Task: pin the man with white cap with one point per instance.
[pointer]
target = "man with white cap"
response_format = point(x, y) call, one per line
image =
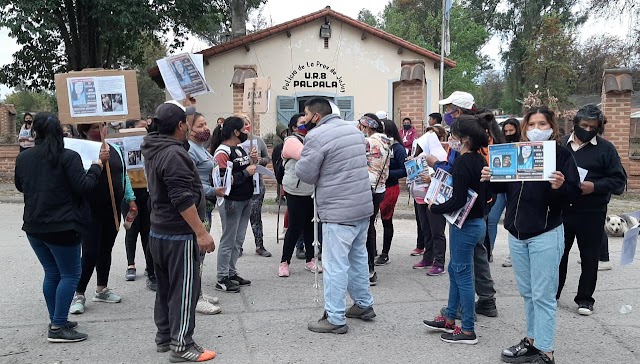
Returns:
point(458, 103)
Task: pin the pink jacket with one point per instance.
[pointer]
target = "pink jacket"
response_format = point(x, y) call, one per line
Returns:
point(408, 136)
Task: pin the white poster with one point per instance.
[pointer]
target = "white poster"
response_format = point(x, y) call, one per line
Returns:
point(97, 96)
point(130, 149)
point(522, 161)
point(89, 150)
point(184, 74)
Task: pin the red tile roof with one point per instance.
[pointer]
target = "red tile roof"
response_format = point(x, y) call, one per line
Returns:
point(254, 37)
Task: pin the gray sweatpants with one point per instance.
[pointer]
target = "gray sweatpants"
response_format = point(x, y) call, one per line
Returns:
point(482, 275)
point(176, 261)
point(234, 216)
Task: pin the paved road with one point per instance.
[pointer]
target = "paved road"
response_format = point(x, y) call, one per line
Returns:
point(266, 323)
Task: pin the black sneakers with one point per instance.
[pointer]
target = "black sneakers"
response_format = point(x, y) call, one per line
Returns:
point(227, 285)
point(300, 253)
point(585, 309)
point(261, 251)
point(382, 260)
point(152, 282)
point(459, 337)
point(522, 352)
point(240, 281)
point(439, 323)
point(542, 358)
point(65, 335)
point(487, 308)
point(373, 279)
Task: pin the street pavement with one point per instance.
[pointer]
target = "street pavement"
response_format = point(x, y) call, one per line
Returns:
point(267, 322)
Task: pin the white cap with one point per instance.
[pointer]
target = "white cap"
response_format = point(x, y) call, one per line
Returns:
point(460, 99)
point(381, 114)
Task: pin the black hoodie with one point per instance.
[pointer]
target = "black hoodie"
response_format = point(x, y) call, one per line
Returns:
point(533, 208)
point(173, 181)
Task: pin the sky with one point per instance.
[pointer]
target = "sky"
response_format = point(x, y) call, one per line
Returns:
point(279, 11)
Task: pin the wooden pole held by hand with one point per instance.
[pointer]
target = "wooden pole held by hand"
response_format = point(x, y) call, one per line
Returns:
point(111, 193)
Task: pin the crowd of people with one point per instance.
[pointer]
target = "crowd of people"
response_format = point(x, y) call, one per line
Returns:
point(329, 171)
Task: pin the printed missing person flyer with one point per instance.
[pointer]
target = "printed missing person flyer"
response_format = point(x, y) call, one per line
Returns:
point(440, 191)
point(522, 161)
point(415, 167)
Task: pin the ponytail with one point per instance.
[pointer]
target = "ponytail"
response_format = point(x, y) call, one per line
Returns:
point(225, 131)
point(49, 135)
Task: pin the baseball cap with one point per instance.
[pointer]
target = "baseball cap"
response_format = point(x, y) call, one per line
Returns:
point(172, 112)
point(381, 114)
point(460, 99)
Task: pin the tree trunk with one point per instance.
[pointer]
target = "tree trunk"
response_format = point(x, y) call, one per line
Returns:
point(238, 18)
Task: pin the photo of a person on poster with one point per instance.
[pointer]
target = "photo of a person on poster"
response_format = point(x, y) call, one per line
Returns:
point(78, 93)
point(496, 162)
point(525, 157)
point(106, 103)
point(181, 73)
point(116, 102)
point(506, 161)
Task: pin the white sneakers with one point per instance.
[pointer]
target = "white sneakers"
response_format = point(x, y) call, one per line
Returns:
point(77, 305)
point(206, 308)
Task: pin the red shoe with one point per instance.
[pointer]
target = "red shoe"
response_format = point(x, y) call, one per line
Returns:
point(423, 264)
point(417, 251)
point(194, 354)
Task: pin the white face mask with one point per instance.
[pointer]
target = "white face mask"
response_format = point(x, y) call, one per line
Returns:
point(537, 135)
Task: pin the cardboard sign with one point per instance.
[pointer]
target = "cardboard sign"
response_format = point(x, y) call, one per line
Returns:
point(258, 96)
point(96, 96)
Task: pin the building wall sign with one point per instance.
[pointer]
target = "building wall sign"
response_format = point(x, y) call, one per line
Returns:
point(314, 75)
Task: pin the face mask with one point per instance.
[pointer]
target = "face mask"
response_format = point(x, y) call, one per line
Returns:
point(406, 127)
point(248, 129)
point(537, 135)
point(310, 125)
point(94, 134)
point(448, 118)
point(243, 137)
point(456, 145)
point(302, 130)
point(203, 136)
point(512, 138)
point(584, 135)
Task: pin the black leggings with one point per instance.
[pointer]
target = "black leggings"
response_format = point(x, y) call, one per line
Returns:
point(300, 222)
point(141, 225)
point(97, 244)
point(371, 236)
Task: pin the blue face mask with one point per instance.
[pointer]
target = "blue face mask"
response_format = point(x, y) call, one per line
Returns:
point(448, 117)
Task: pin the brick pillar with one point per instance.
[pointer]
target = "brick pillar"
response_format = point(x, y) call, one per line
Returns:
point(412, 100)
point(242, 72)
point(7, 123)
point(616, 105)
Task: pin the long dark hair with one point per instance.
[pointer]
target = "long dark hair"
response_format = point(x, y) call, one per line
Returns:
point(49, 136)
point(513, 122)
point(391, 130)
point(225, 131)
point(474, 127)
point(551, 119)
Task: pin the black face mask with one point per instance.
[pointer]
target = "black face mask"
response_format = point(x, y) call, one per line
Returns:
point(243, 137)
point(512, 138)
point(584, 135)
point(406, 127)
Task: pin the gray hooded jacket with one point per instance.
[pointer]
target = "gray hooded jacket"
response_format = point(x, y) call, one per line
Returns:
point(334, 159)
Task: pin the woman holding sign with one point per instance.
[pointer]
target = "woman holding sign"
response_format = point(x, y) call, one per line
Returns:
point(55, 212)
point(98, 240)
point(468, 136)
point(536, 238)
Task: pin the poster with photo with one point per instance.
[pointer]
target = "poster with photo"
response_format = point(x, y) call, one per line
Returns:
point(130, 148)
point(440, 191)
point(183, 74)
point(522, 161)
point(97, 96)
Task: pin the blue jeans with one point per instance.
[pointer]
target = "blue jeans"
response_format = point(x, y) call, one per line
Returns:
point(494, 217)
point(462, 243)
point(536, 263)
point(62, 269)
point(346, 268)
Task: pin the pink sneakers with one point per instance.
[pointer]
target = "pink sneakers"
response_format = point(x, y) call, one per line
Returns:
point(423, 264)
point(415, 252)
point(283, 269)
point(435, 271)
point(311, 266)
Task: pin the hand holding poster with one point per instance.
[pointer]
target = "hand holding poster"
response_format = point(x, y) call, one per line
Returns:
point(89, 151)
point(183, 75)
point(415, 167)
point(440, 191)
point(522, 161)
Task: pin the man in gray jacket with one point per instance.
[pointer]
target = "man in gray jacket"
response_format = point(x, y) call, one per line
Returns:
point(334, 160)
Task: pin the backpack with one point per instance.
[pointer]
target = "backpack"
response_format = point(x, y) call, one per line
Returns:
point(279, 166)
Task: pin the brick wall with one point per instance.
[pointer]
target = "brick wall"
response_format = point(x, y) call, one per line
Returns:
point(8, 154)
point(7, 123)
point(412, 103)
point(238, 93)
point(617, 108)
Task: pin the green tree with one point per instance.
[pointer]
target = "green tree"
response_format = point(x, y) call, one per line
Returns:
point(420, 22)
point(149, 93)
point(29, 101)
point(367, 17)
point(547, 61)
point(491, 90)
point(217, 28)
point(60, 36)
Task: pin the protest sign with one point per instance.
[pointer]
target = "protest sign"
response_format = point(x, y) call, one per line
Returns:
point(89, 151)
point(129, 144)
point(256, 94)
point(94, 96)
point(415, 167)
point(183, 75)
point(440, 191)
point(522, 161)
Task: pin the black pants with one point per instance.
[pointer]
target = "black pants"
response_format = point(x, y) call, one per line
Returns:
point(140, 226)
point(587, 227)
point(300, 222)
point(435, 242)
point(97, 244)
point(371, 235)
point(604, 248)
point(420, 238)
point(177, 260)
